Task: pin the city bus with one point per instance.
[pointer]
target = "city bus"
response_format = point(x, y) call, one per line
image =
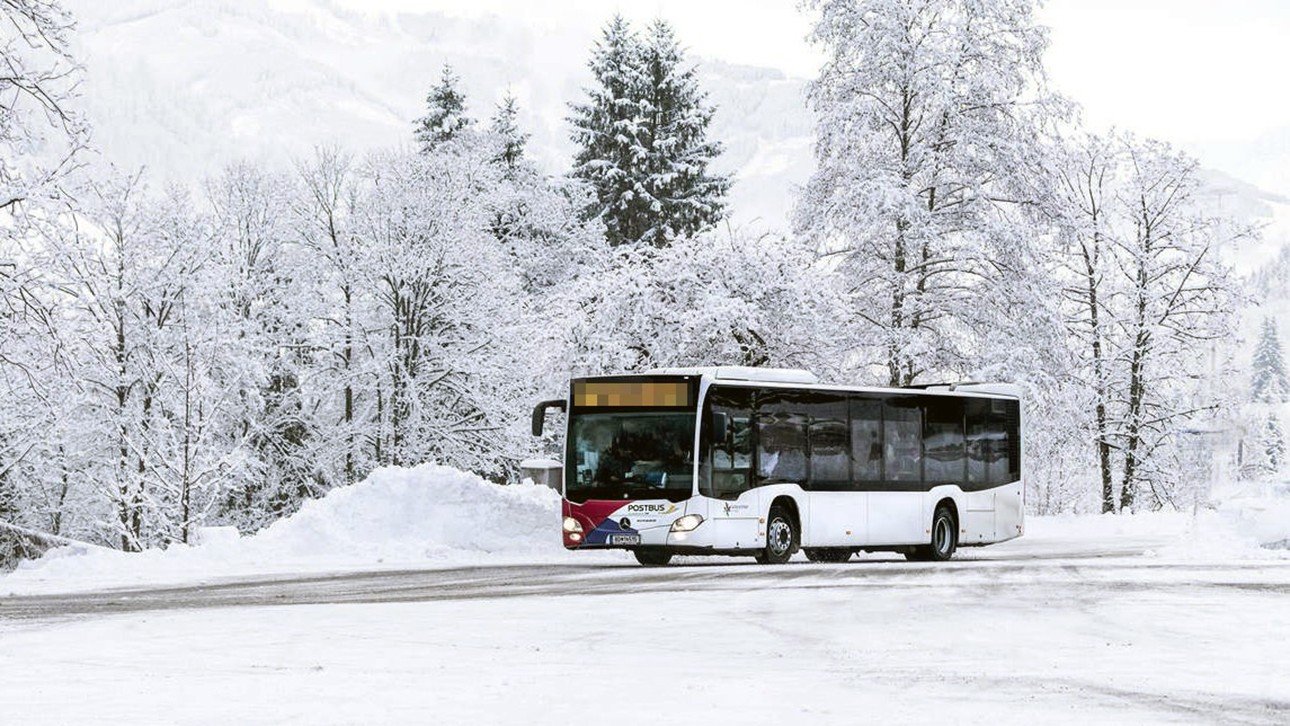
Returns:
point(767, 462)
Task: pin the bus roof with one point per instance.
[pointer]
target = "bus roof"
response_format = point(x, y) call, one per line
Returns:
point(796, 377)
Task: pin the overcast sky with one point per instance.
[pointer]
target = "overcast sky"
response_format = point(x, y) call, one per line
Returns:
point(1208, 75)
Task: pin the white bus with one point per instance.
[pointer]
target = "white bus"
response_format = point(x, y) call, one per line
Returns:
point(764, 462)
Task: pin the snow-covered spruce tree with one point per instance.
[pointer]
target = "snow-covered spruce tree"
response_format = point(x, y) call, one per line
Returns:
point(684, 196)
point(1270, 383)
point(606, 128)
point(505, 129)
point(642, 140)
point(1274, 444)
point(445, 115)
point(927, 129)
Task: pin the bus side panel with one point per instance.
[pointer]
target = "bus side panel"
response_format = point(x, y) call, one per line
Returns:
point(731, 524)
point(977, 525)
point(838, 519)
point(1008, 512)
point(896, 518)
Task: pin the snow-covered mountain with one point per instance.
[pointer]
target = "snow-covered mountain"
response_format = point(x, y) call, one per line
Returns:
point(186, 86)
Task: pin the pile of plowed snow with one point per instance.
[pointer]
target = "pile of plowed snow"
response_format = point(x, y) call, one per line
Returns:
point(427, 515)
point(429, 511)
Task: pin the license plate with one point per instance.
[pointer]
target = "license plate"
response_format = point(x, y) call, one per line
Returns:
point(624, 539)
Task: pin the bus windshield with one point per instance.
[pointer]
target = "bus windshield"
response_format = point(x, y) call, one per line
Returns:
point(637, 455)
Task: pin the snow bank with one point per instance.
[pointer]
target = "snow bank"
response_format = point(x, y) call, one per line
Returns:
point(428, 515)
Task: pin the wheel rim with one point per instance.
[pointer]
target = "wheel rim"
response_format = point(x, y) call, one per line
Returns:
point(943, 535)
point(780, 536)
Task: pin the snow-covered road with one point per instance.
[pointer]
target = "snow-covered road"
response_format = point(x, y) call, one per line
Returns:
point(1033, 630)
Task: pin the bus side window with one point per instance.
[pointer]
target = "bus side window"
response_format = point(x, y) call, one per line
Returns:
point(731, 463)
point(1005, 444)
point(866, 440)
point(978, 440)
point(830, 450)
point(903, 439)
point(781, 438)
point(943, 460)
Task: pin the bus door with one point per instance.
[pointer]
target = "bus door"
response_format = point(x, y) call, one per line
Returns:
point(730, 433)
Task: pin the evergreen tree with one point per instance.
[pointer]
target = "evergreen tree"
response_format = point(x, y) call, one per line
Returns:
point(1271, 384)
point(606, 129)
point(505, 126)
point(445, 113)
point(684, 196)
point(643, 140)
point(1274, 444)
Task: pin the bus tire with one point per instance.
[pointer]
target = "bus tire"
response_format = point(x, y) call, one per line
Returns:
point(827, 554)
point(782, 537)
point(652, 557)
point(945, 538)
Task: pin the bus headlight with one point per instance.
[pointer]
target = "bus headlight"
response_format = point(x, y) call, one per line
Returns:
point(572, 525)
point(688, 523)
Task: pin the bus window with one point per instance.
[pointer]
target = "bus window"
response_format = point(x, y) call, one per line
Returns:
point(943, 459)
point(730, 468)
point(978, 440)
point(903, 439)
point(866, 439)
point(1005, 444)
point(781, 438)
point(830, 466)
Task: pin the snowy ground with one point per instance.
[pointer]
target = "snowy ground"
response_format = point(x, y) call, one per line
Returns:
point(1156, 619)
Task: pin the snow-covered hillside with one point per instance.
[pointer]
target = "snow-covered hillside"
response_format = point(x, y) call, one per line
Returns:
point(185, 87)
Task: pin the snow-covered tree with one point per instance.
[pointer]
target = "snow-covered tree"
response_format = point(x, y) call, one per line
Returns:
point(1274, 444)
point(928, 118)
point(323, 211)
point(445, 115)
point(262, 297)
point(1270, 383)
point(443, 296)
point(1178, 298)
point(684, 195)
point(642, 139)
point(1085, 174)
point(606, 128)
point(717, 298)
point(505, 128)
point(41, 135)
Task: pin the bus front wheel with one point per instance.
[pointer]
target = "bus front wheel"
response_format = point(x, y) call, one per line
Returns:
point(781, 537)
point(944, 539)
point(653, 558)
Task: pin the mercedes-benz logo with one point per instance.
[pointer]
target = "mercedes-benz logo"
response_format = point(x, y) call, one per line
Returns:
point(625, 523)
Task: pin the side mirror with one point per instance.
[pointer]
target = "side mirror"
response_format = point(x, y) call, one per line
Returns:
point(720, 427)
point(539, 413)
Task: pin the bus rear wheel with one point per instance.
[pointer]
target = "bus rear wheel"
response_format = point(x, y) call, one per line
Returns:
point(653, 558)
point(945, 539)
point(827, 554)
point(781, 537)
